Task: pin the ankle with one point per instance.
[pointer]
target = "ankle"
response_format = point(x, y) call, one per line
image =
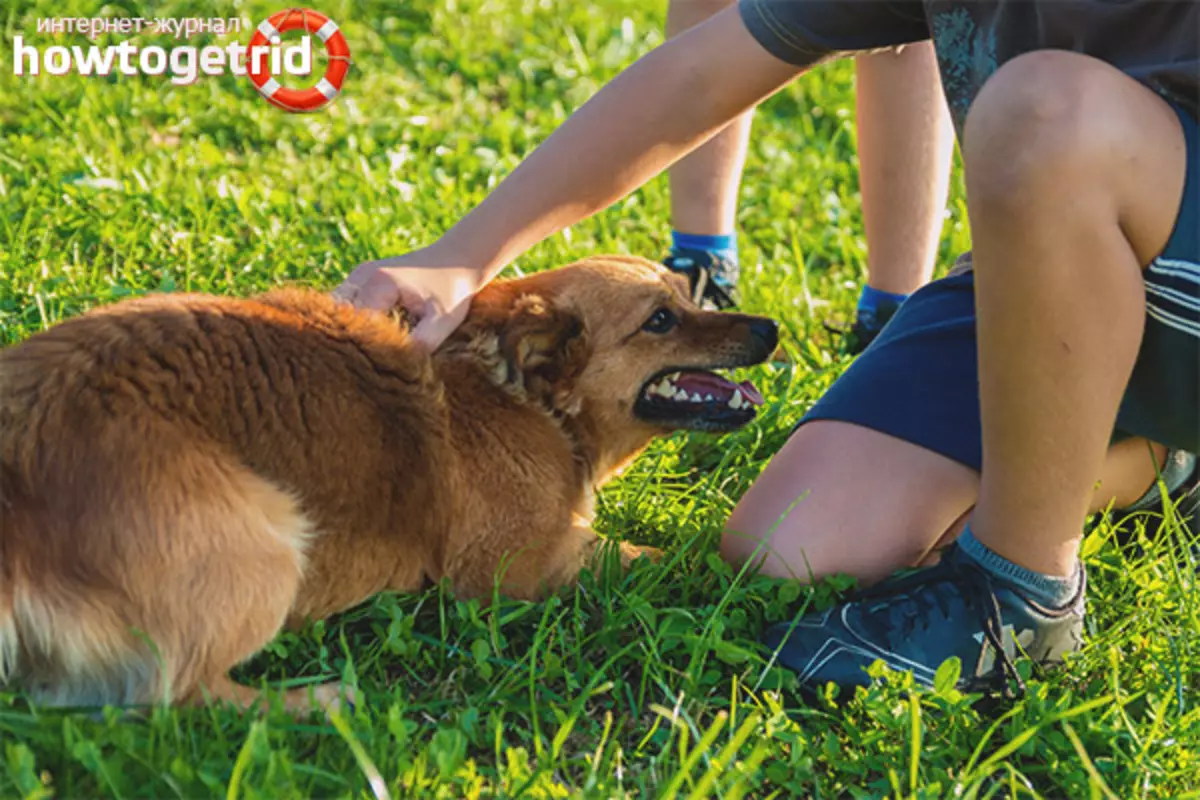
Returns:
point(1038, 549)
point(876, 307)
point(1049, 590)
point(870, 297)
point(721, 245)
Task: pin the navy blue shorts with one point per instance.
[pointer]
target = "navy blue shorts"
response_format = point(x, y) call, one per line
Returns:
point(919, 380)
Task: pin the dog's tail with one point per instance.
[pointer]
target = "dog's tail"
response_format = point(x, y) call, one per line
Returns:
point(9, 644)
point(78, 650)
point(61, 652)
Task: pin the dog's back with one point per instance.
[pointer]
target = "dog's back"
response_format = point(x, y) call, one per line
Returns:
point(151, 460)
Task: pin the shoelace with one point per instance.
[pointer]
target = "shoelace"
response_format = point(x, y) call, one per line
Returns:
point(700, 276)
point(706, 287)
point(974, 586)
point(859, 335)
point(854, 337)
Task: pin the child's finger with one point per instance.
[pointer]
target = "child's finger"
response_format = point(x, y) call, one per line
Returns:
point(382, 292)
point(435, 327)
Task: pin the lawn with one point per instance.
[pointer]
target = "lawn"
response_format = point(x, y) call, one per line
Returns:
point(648, 684)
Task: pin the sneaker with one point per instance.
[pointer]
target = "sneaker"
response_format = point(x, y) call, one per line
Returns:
point(866, 327)
point(1187, 503)
point(1185, 499)
point(713, 279)
point(915, 621)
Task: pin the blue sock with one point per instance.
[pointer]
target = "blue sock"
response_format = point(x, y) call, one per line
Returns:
point(723, 246)
point(875, 306)
point(1050, 591)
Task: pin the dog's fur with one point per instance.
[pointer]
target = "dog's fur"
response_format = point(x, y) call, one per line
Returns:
point(180, 476)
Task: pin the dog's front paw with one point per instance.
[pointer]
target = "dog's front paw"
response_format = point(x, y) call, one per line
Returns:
point(332, 697)
point(631, 552)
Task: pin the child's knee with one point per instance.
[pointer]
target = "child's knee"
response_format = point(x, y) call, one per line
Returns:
point(1036, 123)
point(738, 546)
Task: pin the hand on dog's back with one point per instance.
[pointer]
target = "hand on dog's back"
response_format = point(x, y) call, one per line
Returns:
point(433, 290)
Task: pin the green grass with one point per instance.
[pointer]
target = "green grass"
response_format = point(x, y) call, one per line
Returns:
point(641, 685)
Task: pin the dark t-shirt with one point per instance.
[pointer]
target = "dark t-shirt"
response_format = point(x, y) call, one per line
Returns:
point(1156, 42)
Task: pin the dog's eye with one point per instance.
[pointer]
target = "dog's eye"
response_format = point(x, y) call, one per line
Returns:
point(661, 321)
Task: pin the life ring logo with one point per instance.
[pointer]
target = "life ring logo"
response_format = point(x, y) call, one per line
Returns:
point(262, 56)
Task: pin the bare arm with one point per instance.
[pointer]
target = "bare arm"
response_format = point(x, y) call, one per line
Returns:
point(631, 130)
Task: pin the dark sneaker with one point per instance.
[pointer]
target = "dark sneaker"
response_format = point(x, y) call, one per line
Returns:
point(867, 326)
point(915, 621)
point(713, 279)
point(1187, 503)
point(1185, 499)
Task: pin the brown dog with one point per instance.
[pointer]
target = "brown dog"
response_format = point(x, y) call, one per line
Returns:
point(180, 475)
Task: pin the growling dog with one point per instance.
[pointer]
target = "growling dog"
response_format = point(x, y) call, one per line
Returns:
point(181, 475)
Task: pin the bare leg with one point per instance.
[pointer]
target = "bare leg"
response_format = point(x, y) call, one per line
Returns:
point(1074, 176)
point(1130, 469)
point(905, 144)
point(840, 498)
point(704, 185)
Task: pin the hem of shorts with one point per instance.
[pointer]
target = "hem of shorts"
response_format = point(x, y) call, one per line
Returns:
point(829, 417)
point(769, 33)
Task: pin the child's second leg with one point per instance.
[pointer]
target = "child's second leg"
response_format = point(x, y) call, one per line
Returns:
point(704, 187)
point(841, 498)
point(905, 144)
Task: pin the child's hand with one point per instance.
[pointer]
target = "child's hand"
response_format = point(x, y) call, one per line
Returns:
point(629, 132)
point(436, 294)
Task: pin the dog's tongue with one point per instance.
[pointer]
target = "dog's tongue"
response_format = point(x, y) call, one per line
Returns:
point(751, 392)
point(706, 383)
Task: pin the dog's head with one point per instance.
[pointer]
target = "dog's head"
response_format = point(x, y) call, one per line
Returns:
point(616, 342)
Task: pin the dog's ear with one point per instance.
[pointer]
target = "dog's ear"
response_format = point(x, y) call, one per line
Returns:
point(532, 342)
point(545, 348)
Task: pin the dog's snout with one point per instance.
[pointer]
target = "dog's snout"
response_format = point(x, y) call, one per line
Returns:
point(766, 335)
point(767, 330)
point(754, 338)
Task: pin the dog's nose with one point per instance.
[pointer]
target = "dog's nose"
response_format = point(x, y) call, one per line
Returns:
point(767, 332)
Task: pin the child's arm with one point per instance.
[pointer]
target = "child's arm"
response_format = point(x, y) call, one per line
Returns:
point(658, 110)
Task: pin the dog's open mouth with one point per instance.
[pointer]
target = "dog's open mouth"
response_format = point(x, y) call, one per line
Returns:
point(697, 398)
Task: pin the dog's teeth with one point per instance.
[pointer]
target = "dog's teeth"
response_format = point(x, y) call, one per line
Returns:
point(681, 395)
point(666, 388)
point(696, 398)
point(736, 400)
point(708, 397)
